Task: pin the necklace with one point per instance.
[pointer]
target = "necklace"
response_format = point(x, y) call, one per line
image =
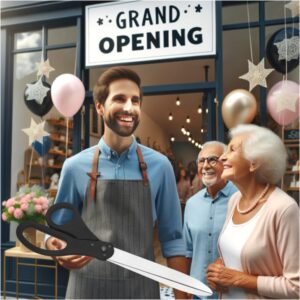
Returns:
point(263, 193)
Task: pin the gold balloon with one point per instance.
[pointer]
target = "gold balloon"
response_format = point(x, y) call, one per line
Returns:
point(239, 107)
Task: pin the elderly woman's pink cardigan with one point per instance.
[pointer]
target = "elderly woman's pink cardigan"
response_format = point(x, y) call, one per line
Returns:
point(272, 251)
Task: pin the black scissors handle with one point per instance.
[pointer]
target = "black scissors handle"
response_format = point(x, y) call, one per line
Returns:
point(79, 239)
point(74, 227)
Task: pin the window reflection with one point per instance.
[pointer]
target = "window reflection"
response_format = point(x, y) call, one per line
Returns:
point(25, 64)
point(25, 40)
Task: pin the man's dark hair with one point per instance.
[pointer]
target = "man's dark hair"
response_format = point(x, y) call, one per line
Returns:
point(101, 89)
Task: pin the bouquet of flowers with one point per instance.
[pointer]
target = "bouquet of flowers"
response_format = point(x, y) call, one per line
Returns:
point(30, 203)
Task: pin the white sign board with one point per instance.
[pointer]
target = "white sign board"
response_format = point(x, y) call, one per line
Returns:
point(139, 31)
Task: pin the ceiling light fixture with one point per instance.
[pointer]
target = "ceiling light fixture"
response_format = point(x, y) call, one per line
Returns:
point(178, 101)
point(188, 120)
point(206, 110)
point(199, 110)
point(170, 117)
point(172, 139)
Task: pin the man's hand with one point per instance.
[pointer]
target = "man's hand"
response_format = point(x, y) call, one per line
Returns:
point(70, 261)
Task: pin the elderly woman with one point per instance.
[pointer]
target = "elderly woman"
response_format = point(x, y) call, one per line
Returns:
point(259, 242)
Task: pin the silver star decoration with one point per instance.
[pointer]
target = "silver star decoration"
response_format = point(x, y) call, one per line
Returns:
point(293, 6)
point(292, 48)
point(36, 91)
point(257, 74)
point(35, 132)
point(44, 68)
point(285, 99)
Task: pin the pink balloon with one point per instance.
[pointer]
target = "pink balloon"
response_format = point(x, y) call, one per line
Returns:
point(283, 102)
point(67, 92)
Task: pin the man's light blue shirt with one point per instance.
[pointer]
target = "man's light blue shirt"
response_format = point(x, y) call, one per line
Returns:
point(165, 202)
point(203, 220)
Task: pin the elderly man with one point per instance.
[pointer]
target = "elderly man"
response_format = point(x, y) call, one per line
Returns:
point(205, 212)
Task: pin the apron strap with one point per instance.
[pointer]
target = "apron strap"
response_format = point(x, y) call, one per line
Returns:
point(143, 166)
point(94, 174)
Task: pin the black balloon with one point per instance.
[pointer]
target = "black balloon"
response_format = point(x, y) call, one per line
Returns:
point(272, 50)
point(34, 106)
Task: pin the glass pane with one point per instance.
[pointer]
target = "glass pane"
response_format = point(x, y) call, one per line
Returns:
point(62, 35)
point(233, 14)
point(24, 40)
point(63, 61)
point(187, 71)
point(238, 42)
point(25, 64)
point(275, 10)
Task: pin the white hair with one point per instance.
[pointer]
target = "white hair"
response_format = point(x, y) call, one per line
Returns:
point(263, 146)
point(213, 143)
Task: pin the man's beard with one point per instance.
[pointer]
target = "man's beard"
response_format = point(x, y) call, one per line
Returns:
point(112, 123)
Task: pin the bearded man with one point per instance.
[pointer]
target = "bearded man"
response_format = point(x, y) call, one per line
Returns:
point(205, 212)
point(122, 189)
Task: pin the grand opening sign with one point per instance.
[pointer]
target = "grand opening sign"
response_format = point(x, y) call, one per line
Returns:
point(140, 31)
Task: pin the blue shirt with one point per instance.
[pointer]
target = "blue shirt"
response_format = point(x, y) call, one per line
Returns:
point(165, 202)
point(203, 221)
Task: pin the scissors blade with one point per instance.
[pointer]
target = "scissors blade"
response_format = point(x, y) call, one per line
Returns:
point(160, 273)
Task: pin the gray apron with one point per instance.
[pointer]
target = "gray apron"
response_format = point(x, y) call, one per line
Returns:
point(119, 212)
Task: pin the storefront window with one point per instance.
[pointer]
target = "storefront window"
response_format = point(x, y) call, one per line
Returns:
point(32, 39)
point(25, 72)
point(237, 13)
point(275, 10)
point(62, 35)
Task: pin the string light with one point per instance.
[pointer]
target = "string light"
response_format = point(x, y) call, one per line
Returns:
point(172, 139)
point(206, 110)
point(178, 101)
point(199, 110)
point(188, 120)
point(170, 117)
point(202, 130)
point(189, 139)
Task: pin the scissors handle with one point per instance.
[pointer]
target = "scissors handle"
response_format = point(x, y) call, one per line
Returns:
point(74, 227)
point(74, 246)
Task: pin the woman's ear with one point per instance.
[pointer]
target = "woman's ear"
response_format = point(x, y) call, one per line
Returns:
point(254, 165)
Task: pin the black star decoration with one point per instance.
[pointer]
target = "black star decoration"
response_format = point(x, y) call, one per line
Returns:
point(100, 21)
point(198, 8)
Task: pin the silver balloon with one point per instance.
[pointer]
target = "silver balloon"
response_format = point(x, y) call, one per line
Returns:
point(239, 107)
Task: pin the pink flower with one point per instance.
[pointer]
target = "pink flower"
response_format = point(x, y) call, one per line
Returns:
point(24, 206)
point(11, 210)
point(10, 202)
point(38, 208)
point(18, 214)
point(4, 217)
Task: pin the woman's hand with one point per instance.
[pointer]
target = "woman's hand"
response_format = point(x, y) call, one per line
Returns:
point(221, 278)
point(212, 283)
point(69, 261)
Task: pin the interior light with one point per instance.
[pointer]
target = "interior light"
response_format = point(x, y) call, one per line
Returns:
point(170, 117)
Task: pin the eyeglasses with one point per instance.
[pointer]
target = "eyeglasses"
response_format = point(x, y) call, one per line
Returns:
point(211, 160)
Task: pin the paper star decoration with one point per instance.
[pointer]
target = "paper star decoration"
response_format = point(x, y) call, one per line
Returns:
point(293, 6)
point(292, 48)
point(285, 99)
point(36, 91)
point(257, 74)
point(44, 68)
point(35, 132)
